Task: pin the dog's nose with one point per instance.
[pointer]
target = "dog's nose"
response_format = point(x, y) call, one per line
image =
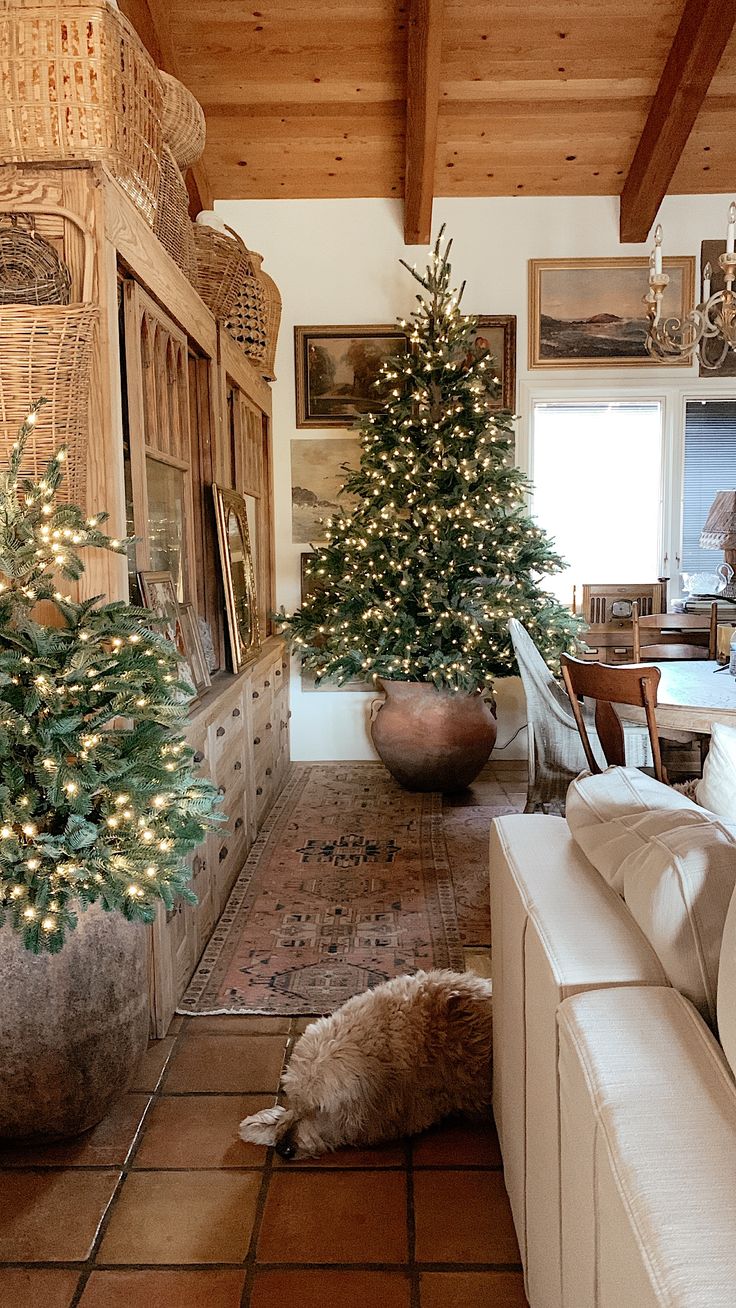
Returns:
point(286, 1148)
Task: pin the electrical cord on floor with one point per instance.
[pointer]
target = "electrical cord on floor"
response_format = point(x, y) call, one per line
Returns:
point(497, 748)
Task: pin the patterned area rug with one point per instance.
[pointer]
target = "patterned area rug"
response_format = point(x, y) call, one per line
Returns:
point(466, 836)
point(347, 885)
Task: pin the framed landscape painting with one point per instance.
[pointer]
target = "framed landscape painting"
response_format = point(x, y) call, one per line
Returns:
point(319, 467)
point(497, 333)
point(337, 369)
point(589, 313)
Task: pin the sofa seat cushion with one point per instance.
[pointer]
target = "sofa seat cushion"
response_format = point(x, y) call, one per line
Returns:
point(557, 929)
point(674, 863)
point(648, 1154)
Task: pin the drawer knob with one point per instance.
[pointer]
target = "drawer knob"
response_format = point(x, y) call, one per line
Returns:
point(221, 790)
point(236, 712)
point(277, 672)
point(289, 714)
point(237, 765)
point(269, 771)
point(259, 790)
point(198, 757)
point(266, 685)
point(284, 725)
point(238, 824)
point(256, 740)
point(220, 731)
point(256, 695)
point(269, 725)
point(223, 853)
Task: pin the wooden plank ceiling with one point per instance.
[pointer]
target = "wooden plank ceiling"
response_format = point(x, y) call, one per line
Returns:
point(536, 97)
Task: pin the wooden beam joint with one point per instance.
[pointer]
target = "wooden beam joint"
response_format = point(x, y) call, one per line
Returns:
point(701, 38)
point(422, 112)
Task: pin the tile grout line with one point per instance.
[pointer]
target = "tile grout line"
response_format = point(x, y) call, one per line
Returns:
point(411, 1231)
point(90, 1263)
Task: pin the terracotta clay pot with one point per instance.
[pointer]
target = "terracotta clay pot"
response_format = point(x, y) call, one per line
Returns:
point(432, 739)
point(74, 1026)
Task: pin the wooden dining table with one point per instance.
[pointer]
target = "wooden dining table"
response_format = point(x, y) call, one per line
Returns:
point(691, 696)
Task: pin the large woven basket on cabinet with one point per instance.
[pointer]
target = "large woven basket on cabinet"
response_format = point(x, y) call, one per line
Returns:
point(183, 122)
point(77, 83)
point(254, 320)
point(46, 351)
point(223, 265)
point(173, 225)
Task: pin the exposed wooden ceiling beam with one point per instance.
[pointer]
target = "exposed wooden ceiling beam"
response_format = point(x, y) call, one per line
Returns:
point(695, 54)
point(150, 20)
point(422, 111)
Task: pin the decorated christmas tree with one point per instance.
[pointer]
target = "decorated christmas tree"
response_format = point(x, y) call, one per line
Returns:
point(99, 798)
point(417, 582)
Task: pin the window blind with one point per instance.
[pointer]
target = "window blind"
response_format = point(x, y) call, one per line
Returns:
point(710, 466)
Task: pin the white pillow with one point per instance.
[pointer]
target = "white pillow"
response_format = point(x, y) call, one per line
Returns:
point(678, 885)
point(673, 862)
point(717, 790)
point(603, 812)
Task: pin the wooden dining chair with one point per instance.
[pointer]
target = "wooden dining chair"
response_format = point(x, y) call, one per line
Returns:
point(608, 685)
point(673, 630)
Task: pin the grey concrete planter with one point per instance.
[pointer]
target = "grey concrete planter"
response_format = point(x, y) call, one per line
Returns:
point(73, 1026)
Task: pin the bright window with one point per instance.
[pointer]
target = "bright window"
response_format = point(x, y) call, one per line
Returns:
point(597, 474)
point(710, 466)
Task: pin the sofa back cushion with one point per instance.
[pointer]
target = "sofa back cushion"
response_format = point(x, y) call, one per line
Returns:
point(717, 790)
point(673, 862)
point(604, 813)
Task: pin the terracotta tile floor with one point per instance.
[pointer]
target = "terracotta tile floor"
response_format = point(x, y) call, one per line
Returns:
point(162, 1206)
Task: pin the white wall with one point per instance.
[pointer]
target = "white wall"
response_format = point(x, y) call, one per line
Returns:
point(337, 261)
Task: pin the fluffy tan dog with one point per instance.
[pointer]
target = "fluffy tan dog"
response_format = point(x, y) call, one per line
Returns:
point(389, 1063)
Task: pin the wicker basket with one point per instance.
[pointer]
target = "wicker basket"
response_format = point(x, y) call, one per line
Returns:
point(254, 321)
point(76, 83)
point(223, 264)
point(31, 271)
point(183, 122)
point(46, 351)
point(173, 226)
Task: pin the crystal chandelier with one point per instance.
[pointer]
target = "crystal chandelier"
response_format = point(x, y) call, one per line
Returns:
point(709, 330)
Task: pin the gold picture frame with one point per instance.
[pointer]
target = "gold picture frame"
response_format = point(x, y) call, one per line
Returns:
point(238, 578)
point(349, 358)
point(589, 313)
point(497, 332)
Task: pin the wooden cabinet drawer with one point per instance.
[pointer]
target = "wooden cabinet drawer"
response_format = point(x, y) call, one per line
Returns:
point(231, 771)
point(205, 910)
point(224, 733)
point(229, 849)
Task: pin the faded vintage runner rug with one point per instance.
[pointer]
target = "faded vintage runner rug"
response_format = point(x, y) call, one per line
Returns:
point(348, 884)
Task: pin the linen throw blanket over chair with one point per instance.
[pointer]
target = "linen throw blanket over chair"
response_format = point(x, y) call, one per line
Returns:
point(556, 753)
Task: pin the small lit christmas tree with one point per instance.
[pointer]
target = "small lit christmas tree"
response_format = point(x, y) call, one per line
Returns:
point(99, 799)
point(419, 580)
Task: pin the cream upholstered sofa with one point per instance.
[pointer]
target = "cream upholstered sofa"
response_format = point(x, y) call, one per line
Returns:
point(614, 962)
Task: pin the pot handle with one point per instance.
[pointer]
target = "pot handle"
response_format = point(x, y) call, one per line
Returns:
point(375, 706)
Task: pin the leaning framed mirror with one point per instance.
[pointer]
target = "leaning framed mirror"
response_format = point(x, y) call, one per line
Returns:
point(238, 578)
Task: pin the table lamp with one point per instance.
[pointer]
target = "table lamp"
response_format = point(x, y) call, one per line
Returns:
point(719, 533)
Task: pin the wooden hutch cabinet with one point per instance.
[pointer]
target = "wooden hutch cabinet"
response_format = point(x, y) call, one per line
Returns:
point(175, 407)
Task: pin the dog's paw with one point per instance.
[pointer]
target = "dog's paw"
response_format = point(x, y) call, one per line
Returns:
point(260, 1128)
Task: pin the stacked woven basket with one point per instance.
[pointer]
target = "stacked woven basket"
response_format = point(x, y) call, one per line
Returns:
point(45, 346)
point(183, 129)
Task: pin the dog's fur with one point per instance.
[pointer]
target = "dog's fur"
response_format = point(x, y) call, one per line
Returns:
point(389, 1063)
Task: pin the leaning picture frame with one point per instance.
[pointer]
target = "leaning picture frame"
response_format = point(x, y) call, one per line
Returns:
point(197, 659)
point(589, 313)
point(238, 578)
point(158, 590)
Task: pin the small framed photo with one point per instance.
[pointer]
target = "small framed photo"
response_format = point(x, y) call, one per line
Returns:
point(159, 595)
point(193, 640)
point(338, 372)
point(589, 313)
point(496, 332)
